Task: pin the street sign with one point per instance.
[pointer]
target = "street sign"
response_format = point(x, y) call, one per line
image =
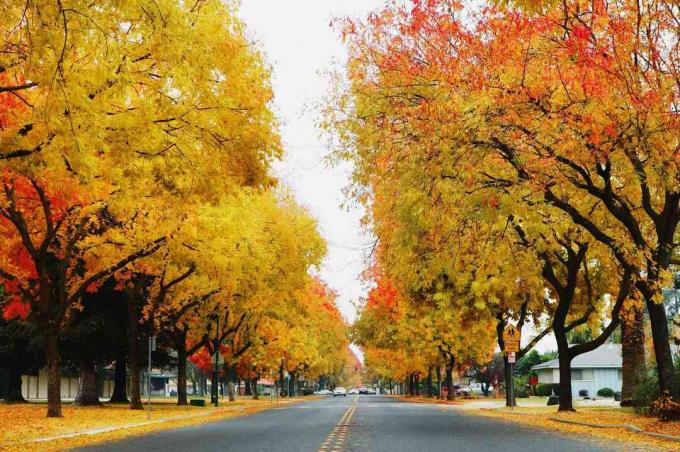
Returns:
point(152, 343)
point(511, 338)
point(511, 357)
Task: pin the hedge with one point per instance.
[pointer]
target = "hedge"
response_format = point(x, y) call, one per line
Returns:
point(605, 392)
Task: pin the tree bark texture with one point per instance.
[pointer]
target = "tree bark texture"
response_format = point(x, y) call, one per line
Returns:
point(633, 352)
point(88, 392)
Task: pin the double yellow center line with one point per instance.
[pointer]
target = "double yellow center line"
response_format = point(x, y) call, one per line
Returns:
point(336, 438)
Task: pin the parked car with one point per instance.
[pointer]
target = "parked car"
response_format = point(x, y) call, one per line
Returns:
point(323, 392)
point(339, 391)
point(370, 391)
point(363, 390)
point(461, 389)
point(476, 389)
point(354, 391)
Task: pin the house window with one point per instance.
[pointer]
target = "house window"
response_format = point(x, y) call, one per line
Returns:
point(582, 374)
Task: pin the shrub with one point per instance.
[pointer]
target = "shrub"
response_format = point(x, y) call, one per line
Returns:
point(553, 400)
point(546, 389)
point(605, 392)
point(583, 392)
point(645, 393)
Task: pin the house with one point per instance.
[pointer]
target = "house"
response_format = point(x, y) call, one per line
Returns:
point(592, 371)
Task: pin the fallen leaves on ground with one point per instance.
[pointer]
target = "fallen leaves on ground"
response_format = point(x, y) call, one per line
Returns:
point(540, 417)
point(28, 421)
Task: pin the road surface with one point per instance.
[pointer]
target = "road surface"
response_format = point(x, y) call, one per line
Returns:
point(359, 423)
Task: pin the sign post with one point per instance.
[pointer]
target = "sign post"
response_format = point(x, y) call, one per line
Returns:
point(511, 340)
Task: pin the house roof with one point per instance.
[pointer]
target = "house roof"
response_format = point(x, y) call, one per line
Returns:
point(605, 356)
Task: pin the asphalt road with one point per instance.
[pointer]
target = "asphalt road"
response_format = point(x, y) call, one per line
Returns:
point(359, 423)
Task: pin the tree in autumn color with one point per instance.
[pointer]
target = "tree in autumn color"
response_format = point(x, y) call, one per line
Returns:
point(136, 124)
point(443, 116)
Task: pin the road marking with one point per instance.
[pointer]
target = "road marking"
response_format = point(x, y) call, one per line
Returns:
point(336, 438)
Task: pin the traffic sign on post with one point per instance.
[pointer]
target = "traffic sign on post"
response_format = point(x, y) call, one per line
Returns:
point(511, 357)
point(511, 339)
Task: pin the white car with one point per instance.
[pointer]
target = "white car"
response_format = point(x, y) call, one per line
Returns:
point(323, 392)
point(476, 388)
point(354, 391)
point(339, 391)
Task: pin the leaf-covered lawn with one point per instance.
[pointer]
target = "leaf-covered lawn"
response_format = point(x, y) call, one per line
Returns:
point(27, 422)
point(540, 417)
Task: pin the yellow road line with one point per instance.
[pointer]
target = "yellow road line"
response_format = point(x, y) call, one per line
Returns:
point(336, 438)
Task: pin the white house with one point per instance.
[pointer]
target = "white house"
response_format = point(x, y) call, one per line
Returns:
point(592, 371)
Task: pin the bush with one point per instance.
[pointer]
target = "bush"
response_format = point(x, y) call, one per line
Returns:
point(553, 400)
point(546, 389)
point(617, 396)
point(583, 392)
point(645, 393)
point(605, 392)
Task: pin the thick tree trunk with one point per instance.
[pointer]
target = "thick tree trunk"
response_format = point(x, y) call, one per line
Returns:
point(248, 389)
point(508, 384)
point(448, 382)
point(120, 380)
point(662, 349)
point(181, 375)
point(566, 400)
point(282, 381)
point(255, 391)
point(416, 383)
point(230, 384)
point(429, 381)
point(14, 394)
point(53, 375)
point(633, 352)
point(439, 382)
point(88, 393)
point(134, 356)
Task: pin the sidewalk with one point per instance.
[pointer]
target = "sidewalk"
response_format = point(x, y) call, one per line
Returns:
point(31, 430)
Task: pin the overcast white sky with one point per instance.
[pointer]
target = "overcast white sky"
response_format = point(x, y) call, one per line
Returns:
point(301, 47)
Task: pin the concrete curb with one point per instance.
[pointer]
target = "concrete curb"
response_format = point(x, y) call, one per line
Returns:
point(629, 427)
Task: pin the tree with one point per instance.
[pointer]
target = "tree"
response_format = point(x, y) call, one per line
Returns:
point(134, 125)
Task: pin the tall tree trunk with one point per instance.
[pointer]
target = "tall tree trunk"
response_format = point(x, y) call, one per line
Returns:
point(248, 388)
point(120, 380)
point(134, 356)
point(231, 375)
point(449, 378)
point(256, 392)
point(282, 381)
point(662, 349)
point(181, 374)
point(429, 381)
point(507, 374)
point(14, 394)
point(439, 381)
point(564, 357)
point(88, 393)
point(53, 375)
point(632, 351)
point(416, 383)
